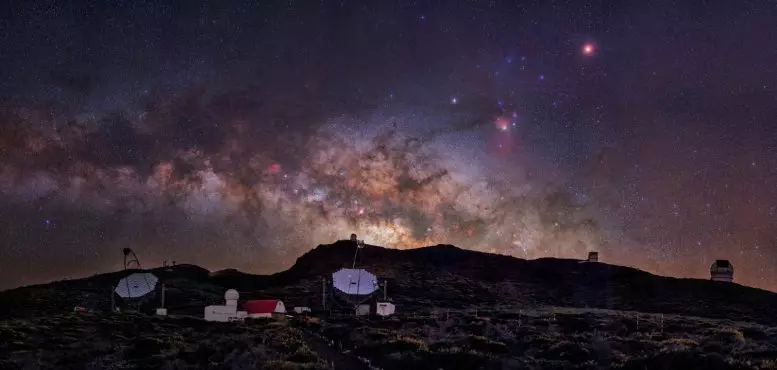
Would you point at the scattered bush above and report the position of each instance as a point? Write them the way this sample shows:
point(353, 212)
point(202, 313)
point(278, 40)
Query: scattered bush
point(483, 344)
point(142, 342)
point(567, 351)
point(754, 332)
point(680, 360)
point(456, 340)
point(728, 336)
point(303, 354)
point(678, 344)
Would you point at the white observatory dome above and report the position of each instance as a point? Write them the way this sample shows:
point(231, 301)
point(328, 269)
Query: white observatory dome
point(231, 295)
point(722, 270)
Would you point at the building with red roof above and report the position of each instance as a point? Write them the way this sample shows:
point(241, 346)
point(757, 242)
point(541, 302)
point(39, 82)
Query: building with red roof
point(264, 307)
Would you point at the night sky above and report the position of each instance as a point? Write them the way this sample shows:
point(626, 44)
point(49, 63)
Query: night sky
point(242, 134)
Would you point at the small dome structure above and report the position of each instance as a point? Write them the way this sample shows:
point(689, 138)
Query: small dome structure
point(722, 270)
point(353, 238)
point(231, 294)
point(230, 297)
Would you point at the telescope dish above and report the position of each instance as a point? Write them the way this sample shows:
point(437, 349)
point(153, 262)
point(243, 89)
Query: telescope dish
point(357, 282)
point(136, 285)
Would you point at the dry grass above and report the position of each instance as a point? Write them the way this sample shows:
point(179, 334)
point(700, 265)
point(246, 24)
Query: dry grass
point(545, 338)
point(553, 339)
point(85, 341)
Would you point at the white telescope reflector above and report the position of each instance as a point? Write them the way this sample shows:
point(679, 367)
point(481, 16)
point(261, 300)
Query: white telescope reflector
point(136, 285)
point(355, 281)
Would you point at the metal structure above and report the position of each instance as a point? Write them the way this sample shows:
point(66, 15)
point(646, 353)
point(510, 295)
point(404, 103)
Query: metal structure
point(136, 286)
point(351, 287)
point(129, 258)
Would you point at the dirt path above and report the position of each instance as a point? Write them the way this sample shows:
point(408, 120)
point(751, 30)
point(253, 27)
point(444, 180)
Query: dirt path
point(332, 355)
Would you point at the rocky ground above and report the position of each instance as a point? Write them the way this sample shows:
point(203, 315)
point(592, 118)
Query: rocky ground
point(552, 338)
point(127, 341)
point(547, 338)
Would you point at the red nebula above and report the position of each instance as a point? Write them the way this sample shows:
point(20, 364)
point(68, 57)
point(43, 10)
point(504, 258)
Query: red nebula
point(273, 169)
point(503, 141)
point(502, 124)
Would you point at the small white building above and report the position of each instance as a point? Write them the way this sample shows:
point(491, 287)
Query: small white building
point(722, 270)
point(385, 309)
point(227, 312)
point(300, 310)
point(363, 310)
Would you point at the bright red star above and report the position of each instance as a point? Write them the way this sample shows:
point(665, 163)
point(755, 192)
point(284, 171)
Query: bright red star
point(273, 169)
point(588, 49)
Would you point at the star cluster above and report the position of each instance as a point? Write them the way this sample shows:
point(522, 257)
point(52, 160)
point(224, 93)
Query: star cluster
point(243, 134)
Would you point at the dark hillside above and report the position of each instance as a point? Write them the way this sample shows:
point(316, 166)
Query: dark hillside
point(426, 278)
point(447, 276)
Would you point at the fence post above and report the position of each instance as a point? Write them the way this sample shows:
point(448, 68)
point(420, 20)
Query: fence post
point(662, 323)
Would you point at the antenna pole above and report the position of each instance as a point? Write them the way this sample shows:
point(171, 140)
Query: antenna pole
point(323, 292)
point(385, 291)
point(129, 292)
point(163, 296)
point(353, 266)
point(358, 282)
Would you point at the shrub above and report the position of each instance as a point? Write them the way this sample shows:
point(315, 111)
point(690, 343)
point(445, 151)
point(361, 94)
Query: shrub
point(455, 359)
point(574, 323)
point(728, 335)
point(679, 360)
point(568, 351)
point(303, 354)
point(753, 332)
point(678, 344)
point(146, 346)
point(408, 344)
point(483, 344)
point(286, 365)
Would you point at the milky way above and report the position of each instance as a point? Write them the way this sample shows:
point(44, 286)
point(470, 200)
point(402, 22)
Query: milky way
point(270, 198)
point(243, 136)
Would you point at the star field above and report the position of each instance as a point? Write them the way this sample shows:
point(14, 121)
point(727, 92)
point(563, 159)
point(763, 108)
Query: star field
point(241, 134)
